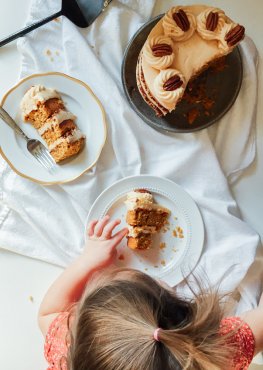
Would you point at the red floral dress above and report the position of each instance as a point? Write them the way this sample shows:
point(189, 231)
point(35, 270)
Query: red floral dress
point(56, 347)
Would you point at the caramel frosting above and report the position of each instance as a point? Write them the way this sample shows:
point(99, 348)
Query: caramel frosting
point(36, 94)
point(137, 199)
point(183, 28)
point(158, 52)
point(55, 120)
point(215, 30)
point(72, 138)
point(169, 96)
point(136, 231)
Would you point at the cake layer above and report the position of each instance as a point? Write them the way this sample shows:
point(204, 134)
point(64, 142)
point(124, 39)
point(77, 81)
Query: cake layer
point(44, 111)
point(145, 217)
point(65, 149)
point(54, 133)
point(143, 241)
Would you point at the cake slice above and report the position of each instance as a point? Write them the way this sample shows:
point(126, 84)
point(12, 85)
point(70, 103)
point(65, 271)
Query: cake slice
point(44, 108)
point(185, 42)
point(144, 218)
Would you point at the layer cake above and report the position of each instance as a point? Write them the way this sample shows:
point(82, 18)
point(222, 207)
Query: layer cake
point(185, 41)
point(144, 218)
point(44, 108)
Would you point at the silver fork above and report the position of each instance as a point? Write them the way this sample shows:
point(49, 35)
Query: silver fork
point(35, 147)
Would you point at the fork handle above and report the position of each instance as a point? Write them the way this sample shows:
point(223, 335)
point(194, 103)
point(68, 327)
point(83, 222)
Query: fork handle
point(9, 120)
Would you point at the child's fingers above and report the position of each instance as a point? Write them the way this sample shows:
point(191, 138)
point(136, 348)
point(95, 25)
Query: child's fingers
point(117, 238)
point(100, 226)
point(90, 228)
point(108, 229)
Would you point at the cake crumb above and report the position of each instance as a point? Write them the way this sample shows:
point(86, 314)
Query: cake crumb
point(163, 262)
point(31, 298)
point(175, 218)
point(162, 245)
point(146, 269)
point(192, 115)
point(48, 52)
point(121, 257)
point(56, 20)
point(52, 59)
point(175, 233)
point(156, 266)
point(57, 52)
point(174, 250)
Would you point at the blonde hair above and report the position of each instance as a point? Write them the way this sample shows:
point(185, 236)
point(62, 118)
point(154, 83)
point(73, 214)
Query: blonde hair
point(116, 318)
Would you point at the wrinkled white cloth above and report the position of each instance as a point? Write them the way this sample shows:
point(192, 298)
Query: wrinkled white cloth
point(47, 223)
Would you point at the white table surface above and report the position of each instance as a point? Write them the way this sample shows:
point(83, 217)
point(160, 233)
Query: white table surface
point(23, 281)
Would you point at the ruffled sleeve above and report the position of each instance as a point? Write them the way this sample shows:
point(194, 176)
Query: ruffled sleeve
point(56, 346)
point(243, 340)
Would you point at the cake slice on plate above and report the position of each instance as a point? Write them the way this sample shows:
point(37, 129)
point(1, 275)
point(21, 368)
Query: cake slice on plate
point(144, 218)
point(185, 41)
point(44, 108)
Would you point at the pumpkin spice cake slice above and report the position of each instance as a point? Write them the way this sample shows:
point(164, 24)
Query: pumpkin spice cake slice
point(144, 218)
point(44, 108)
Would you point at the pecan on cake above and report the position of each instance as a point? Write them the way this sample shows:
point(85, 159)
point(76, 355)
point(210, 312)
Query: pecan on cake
point(185, 41)
point(44, 108)
point(144, 218)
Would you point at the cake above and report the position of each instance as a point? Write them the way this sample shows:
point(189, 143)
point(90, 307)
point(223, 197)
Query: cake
point(185, 41)
point(144, 218)
point(44, 108)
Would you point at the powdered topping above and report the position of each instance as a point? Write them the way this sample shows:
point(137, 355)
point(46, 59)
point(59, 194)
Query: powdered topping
point(179, 23)
point(72, 138)
point(55, 120)
point(210, 23)
point(35, 95)
point(169, 86)
point(158, 52)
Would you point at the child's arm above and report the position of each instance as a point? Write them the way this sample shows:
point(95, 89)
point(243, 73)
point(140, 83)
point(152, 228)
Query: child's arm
point(254, 319)
point(99, 252)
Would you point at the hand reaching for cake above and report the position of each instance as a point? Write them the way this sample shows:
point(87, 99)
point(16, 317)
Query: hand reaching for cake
point(100, 248)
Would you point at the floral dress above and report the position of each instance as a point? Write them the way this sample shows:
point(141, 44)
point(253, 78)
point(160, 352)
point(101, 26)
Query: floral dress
point(56, 346)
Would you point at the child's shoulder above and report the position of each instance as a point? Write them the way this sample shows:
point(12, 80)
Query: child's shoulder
point(56, 343)
point(242, 339)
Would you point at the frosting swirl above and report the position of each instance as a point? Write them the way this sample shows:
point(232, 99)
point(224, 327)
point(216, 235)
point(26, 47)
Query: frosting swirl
point(222, 44)
point(158, 62)
point(202, 24)
point(172, 29)
point(168, 96)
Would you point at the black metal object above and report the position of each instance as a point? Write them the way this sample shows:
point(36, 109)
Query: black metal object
point(222, 87)
point(81, 12)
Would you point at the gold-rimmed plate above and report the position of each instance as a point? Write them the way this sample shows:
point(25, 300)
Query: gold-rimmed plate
point(81, 101)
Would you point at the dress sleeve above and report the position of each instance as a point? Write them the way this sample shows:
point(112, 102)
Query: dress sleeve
point(242, 338)
point(56, 347)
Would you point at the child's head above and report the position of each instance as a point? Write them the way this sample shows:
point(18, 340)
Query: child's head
point(119, 313)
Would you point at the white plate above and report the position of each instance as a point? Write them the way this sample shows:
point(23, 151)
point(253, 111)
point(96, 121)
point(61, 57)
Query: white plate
point(180, 255)
point(80, 100)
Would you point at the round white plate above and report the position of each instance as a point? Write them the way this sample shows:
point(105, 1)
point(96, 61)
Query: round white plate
point(171, 257)
point(80, 100)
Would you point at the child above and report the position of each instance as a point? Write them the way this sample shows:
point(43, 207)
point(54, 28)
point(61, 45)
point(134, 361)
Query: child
point(122, 319)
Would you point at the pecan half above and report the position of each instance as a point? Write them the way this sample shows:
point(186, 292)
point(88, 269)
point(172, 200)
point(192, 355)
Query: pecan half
point(235, 35)
point(160, 50)
point(212, 21)
point(181, 20)
point(172, 83)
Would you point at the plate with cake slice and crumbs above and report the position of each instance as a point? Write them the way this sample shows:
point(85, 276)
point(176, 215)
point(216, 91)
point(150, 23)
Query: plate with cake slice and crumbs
point(166, 231)
point(65, 115)
point(182, 71)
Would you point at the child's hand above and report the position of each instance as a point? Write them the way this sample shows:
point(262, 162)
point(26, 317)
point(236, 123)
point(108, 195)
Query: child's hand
point(100, 248)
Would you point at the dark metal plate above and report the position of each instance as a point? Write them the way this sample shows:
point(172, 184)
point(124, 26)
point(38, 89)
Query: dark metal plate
point(206, 99)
